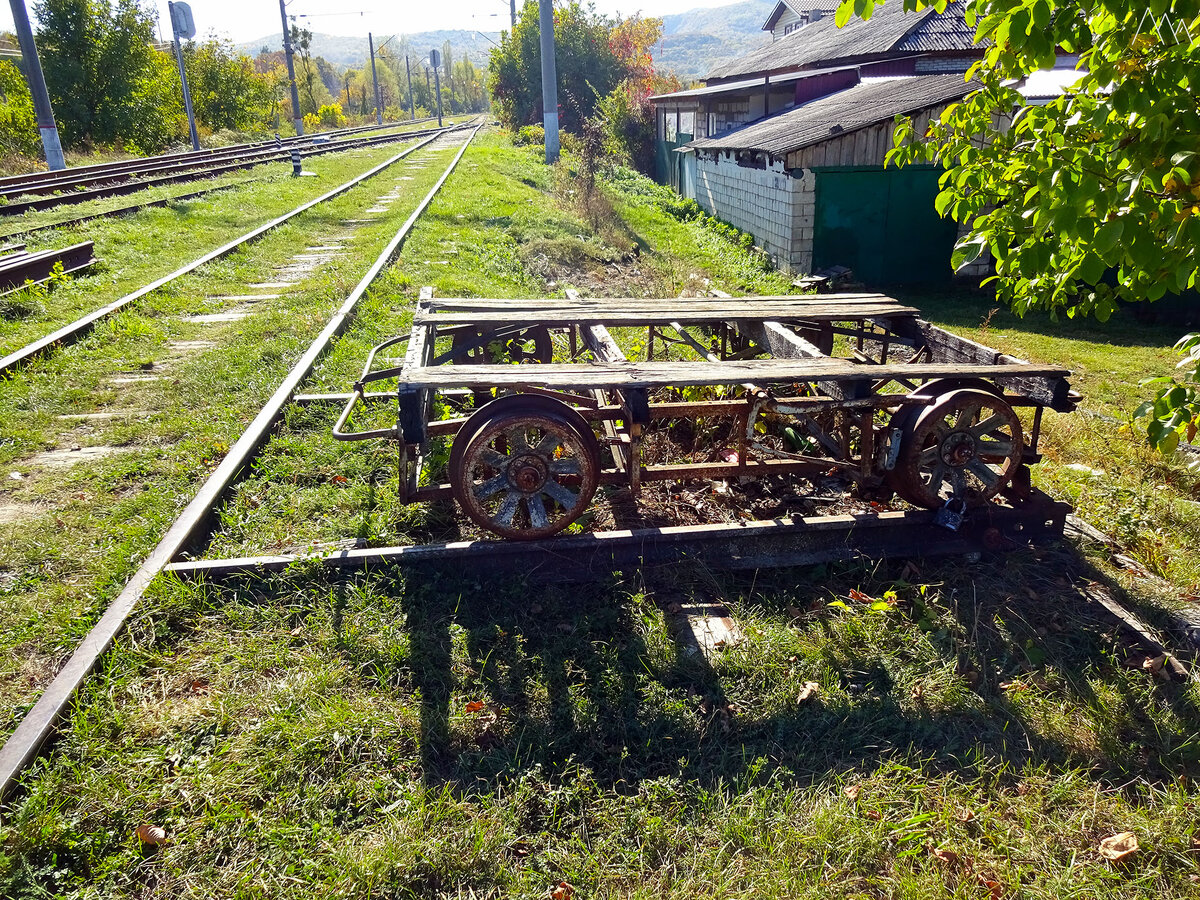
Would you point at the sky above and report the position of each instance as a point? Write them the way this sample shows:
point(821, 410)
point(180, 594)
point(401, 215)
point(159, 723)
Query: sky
point(245, 20)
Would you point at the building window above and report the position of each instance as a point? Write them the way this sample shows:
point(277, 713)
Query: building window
point(661, 126)
point(672, 123)
point(687, 123)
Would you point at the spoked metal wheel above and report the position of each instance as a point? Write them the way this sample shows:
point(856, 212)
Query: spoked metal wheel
point(532, 345)
point(967, 445)
point(524, 466)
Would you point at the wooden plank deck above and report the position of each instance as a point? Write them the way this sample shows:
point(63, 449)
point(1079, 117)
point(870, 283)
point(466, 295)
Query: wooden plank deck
point(645, 311)
point(662, 374)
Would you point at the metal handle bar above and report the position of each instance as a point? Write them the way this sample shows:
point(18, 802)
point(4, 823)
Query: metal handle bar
point(359, 386)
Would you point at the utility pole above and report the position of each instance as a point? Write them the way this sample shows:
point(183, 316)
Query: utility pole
point(37, 87)
point(375, 78)
point(549, 79)
point(434, 59)
point(412, 104)
point(297, 119)
point(182, 26)
point(512, 12)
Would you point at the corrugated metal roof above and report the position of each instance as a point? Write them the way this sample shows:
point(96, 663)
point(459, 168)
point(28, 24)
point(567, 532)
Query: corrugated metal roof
point(730, 87)
point(796, 6)
point(858, 107)
point(824, 42)
point(948, 31)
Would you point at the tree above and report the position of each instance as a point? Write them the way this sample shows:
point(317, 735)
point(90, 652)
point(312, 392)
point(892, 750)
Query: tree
point(587, 67)
point(1093, 198)
point(226, 90)
point(628, 118)
point(101, 71)
point(18, 124)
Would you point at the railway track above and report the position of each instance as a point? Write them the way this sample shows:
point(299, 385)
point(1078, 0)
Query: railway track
point(73, 330)
point(39, 722)
point(40, 182)
point(129, 178)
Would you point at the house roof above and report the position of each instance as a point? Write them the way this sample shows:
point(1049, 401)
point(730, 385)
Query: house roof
point(866, 104)
point(732, 87)
point(796, 6)
point(890, 29)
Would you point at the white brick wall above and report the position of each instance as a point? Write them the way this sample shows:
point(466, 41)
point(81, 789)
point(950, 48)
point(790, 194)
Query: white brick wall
point(776, 208)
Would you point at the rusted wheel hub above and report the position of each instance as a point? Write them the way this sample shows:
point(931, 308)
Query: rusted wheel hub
point(524, 466)
point(967, 445)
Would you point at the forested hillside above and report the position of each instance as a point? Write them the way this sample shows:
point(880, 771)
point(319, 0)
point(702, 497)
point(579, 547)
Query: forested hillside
point(695, 41)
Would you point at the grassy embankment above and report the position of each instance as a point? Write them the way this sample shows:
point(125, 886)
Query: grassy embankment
point(452, 736)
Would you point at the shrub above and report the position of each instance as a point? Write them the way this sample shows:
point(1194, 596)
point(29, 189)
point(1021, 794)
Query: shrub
point(530, 134)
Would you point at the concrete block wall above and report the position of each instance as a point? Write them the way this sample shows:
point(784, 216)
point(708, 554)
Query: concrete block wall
point(804, 221)
point(940, 65)
point(771, 204)
point(729, 114)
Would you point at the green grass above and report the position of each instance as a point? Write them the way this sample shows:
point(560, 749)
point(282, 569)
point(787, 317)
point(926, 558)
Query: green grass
point(445, 734)
point(89, 525)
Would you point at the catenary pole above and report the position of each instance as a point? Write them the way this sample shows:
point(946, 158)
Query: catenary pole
point(412, 103)
point(375, 78)
point(549, 79)
point(37, 87)
point(437, 80)
point(297, 119)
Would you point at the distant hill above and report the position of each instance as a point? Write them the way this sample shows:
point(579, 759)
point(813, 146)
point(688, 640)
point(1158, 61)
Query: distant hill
point(693, 41)
point(696, 40)
point(352, 51)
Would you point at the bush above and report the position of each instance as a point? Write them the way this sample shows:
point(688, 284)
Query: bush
point(18, 124)
point(530, 134)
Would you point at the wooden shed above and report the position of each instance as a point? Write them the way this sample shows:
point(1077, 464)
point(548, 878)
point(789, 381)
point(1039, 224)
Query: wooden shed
point(811, 185)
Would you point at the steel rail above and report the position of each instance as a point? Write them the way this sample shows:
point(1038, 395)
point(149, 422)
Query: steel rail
point(81, 325)
point(36, 179)
point(192, 195)
point(124, 210)
point(131, 172)
point(37, 724)
point(212, 169)
point(786, 541)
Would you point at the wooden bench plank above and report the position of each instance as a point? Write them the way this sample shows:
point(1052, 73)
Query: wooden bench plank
point(661, 374)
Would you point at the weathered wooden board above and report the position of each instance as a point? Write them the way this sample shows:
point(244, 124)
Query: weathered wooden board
point(659, 374)
point(649, 315)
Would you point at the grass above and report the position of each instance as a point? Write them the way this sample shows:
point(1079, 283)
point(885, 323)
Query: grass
point(86, 527)
point(443, 734)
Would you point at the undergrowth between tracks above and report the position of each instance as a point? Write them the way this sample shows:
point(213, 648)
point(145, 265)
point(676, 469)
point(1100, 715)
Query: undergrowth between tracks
point(971, 729)
point(158, 400)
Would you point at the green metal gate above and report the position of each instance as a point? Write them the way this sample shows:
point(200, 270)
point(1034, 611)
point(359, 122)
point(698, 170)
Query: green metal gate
point(882, 224)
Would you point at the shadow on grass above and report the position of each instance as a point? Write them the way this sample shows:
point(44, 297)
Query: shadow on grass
point(969, 309)
point(582, 677)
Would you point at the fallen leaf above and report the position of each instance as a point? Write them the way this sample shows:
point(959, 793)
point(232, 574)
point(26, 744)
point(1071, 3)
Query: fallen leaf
point(810, 688)
point(474, 706)
point(964, 815)
point(949, 857)
point(1118, 847)
point(564, 891)
point(852, 791)
point(858, 595)
point(873, 815)
point(563, 627)
point(153, 835)
point(339, 479)
point(995, 887)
